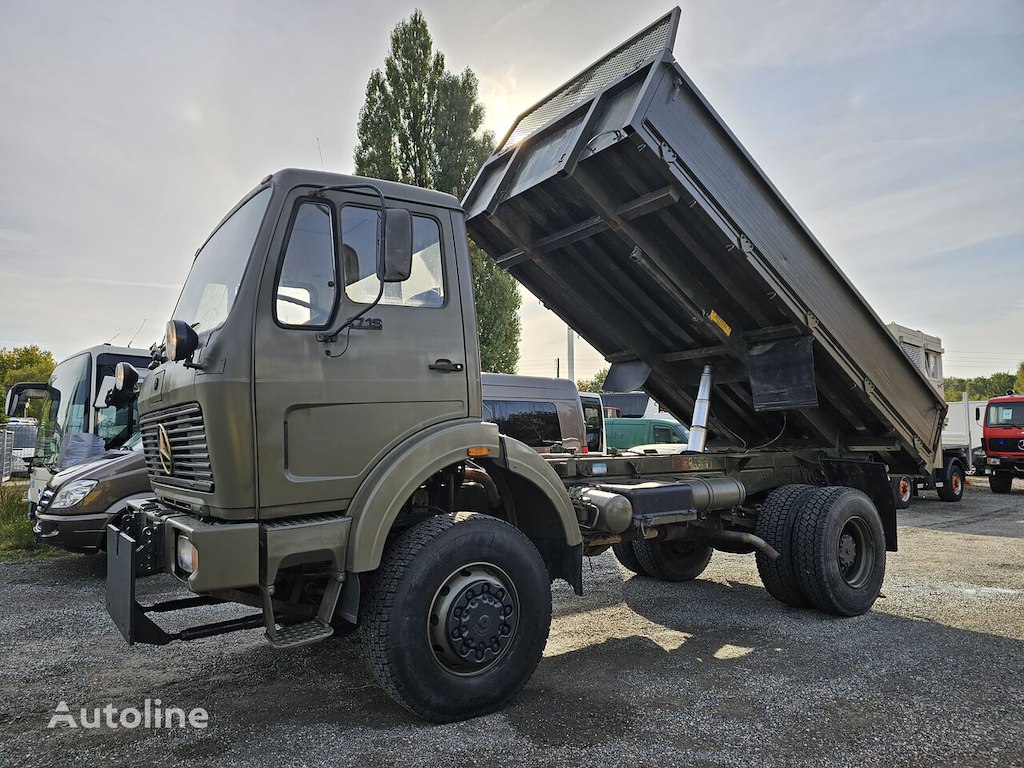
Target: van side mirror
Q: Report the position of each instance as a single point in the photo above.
(21, 394)
(396, 262)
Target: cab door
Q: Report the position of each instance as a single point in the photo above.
(328, 411)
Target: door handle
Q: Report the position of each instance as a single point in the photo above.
(444, 365)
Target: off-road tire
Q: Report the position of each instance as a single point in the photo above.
(830, 521)
(952, 484)
(626, 555)
(775, 526)
(672, 560)
(1001, 482)
(903, 491)
(396, 621)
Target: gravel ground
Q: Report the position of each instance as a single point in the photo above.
(636, 673)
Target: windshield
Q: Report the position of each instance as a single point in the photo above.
(116, 423)
(1005, 415)
(217, 271)
(133, 443)
(65, 406)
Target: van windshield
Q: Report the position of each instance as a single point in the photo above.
(65, 408)
(213, 281)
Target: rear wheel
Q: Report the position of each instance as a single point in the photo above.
(672, 560)
(1001, 482)
(626, 555)
(953, 483)
(457, 616)
(839, 549)
(775, 526)
(903, 490)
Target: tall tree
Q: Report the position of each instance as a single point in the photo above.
(1018, 385)
(420, 124)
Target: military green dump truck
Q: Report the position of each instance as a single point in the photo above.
(312, 427)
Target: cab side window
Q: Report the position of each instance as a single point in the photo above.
(666, 435)
(360, 228)
(306, 289)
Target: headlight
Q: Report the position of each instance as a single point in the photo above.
(72, 493)
(188, 555)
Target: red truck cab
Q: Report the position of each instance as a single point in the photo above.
(1004, 441)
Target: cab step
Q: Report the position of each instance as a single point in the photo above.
(304, 633)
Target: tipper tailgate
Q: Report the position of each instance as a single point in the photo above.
(628, 207)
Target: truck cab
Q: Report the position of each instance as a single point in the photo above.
(1003, 437)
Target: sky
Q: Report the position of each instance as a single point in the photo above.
(127, 130)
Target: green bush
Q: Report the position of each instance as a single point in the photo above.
(16, 535)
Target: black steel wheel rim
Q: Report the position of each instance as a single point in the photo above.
(473, 619)
(856, 552)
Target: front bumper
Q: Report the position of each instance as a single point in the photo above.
(233, 557)
(995, 464)
(75, 533)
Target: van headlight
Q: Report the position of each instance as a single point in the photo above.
(187, 555)
(72, 493)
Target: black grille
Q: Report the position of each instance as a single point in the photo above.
(628, 57)
(1006, 444)
(190, 465)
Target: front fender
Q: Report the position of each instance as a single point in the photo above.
(519, 459)
(395, 477)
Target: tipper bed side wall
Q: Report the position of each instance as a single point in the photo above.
(638, 218)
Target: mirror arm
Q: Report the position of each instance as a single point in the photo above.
(332, 336)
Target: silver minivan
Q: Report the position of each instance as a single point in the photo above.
(546, 414)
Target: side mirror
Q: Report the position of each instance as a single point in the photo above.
(396, 263)
(182, 340)
(21, 394)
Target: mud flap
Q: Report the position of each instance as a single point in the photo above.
(128, 615)
(872, 478)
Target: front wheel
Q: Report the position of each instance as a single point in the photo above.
(457, 617)
(1000, 482)
(839, 551)
(953, 483)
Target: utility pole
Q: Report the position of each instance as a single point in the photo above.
(572, 357)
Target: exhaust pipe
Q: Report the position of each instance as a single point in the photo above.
(701, 412)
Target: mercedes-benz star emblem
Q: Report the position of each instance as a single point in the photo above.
(1020, 444)
(164, 449)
